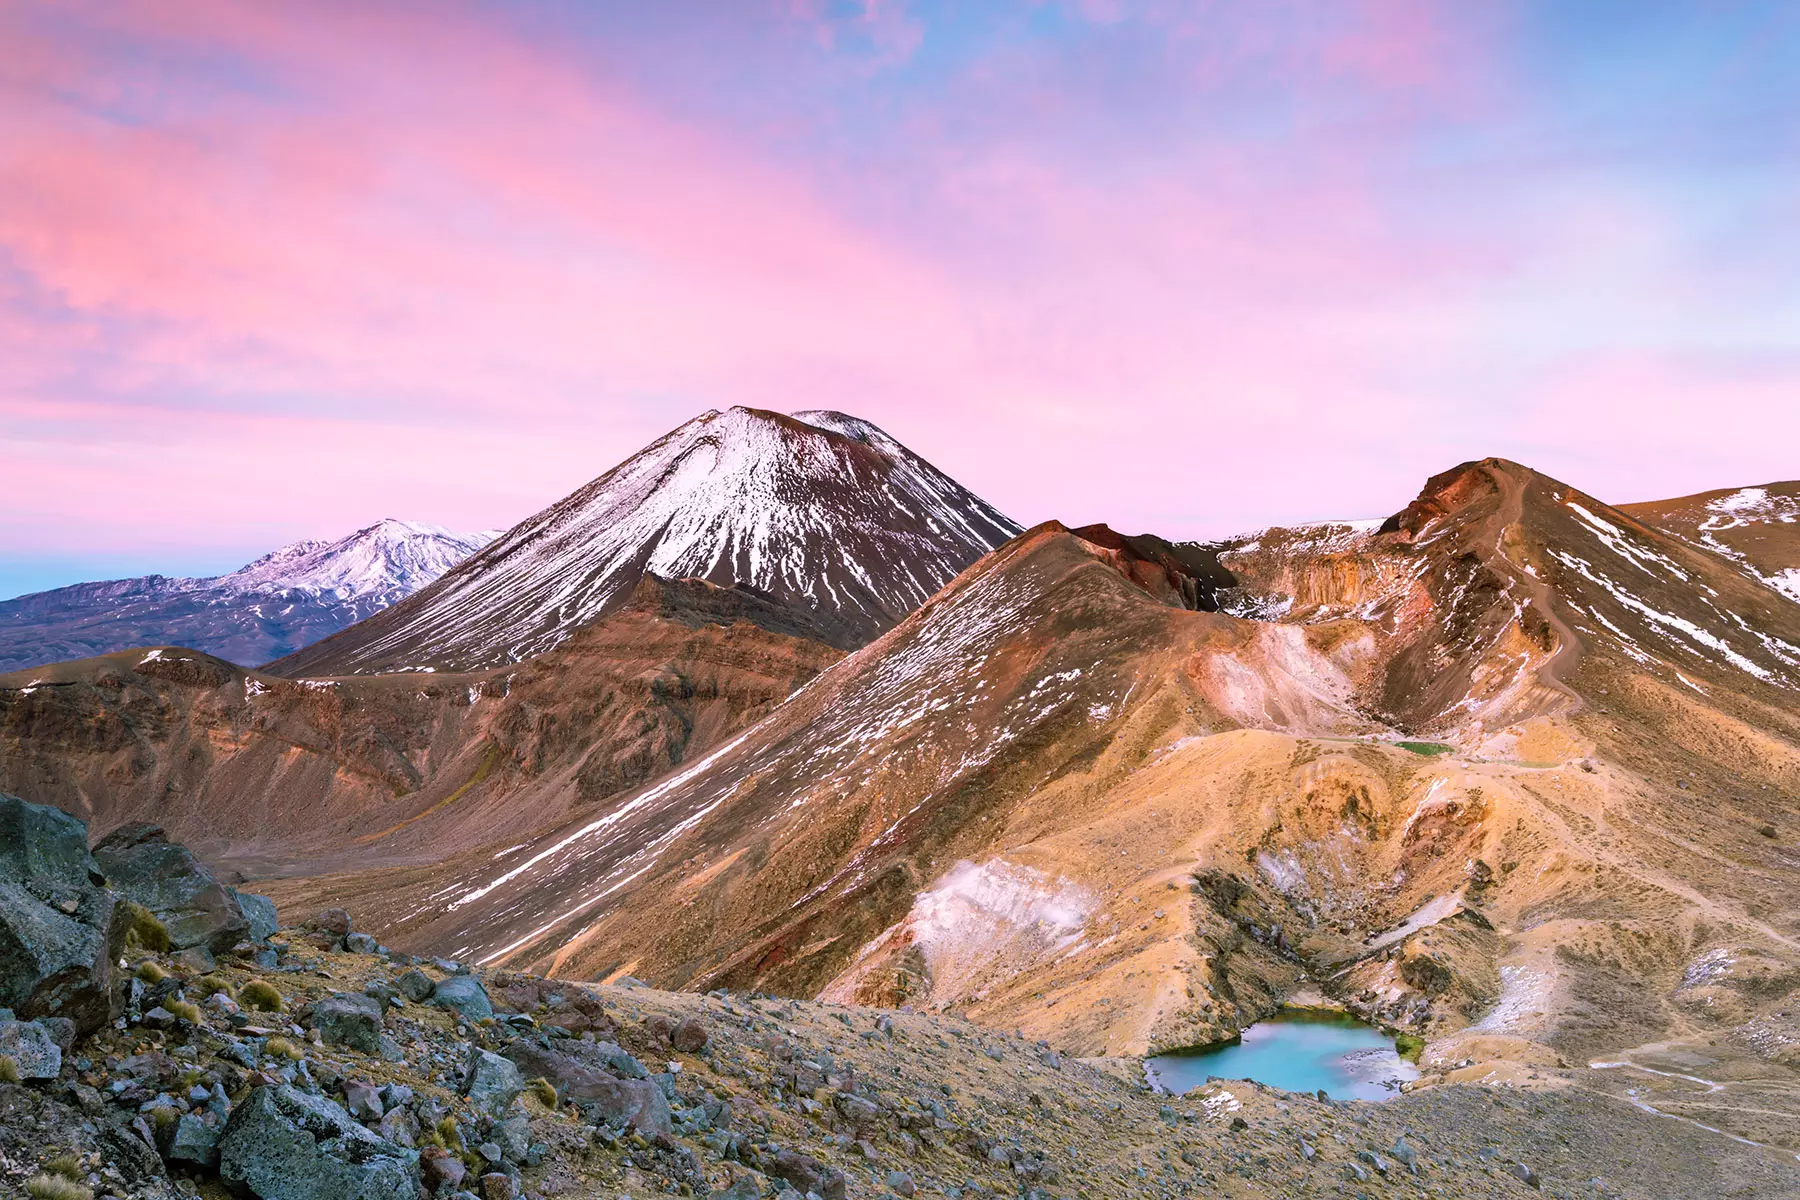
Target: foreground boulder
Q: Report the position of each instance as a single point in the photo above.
(61, 929)
(283, 1144)
(142, 864)
(346, 1019)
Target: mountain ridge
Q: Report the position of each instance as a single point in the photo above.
(283, 600)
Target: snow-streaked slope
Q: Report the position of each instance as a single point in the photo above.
(279, 603)
(820, 511)
(1756, 528)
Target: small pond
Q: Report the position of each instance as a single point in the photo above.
(1300, 1051)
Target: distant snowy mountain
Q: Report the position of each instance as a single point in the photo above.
(274, 606)
(819, 511)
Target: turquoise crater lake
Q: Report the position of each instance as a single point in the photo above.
(1298, 1052)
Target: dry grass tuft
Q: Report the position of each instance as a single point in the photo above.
(55, 1187)
(9, 1069)
(66, 1165)
(545, 1091)
(149, 972)
(280, 1047)
(143, 931)
(260, 995)
(208, 985)
(183, 1010)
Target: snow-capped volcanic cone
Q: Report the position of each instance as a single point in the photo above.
(819, 511)
(274, 606)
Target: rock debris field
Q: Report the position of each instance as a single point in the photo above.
(311, 1064)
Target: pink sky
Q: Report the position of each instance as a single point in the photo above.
(271, 271)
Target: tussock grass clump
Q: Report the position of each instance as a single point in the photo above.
(66, 1165)
(165, 1119)
(545, 1091)
(9, 1069)
(260, 995)
(208, 985)
(143, 931)
(280, 1047)
(183, 1010)
(55, 1187)
(447, 1134)
(149, 972)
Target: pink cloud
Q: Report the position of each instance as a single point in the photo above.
(276, 269)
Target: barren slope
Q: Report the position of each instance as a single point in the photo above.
(263, 772)
(1513, 770)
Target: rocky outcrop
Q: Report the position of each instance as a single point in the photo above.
(195, 909)
(61, 929)
(283, 1144)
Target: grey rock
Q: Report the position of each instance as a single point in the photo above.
(334, 921)
(362, 943)
(900, 1183)
(31, 1047)
(62, 1031)
(363, 1100)
(490, 1082)
(142, 864)
(61, 930)
(742, 1188)
(415, 985)
(513, 1136)
(399, 1127)
(624, 1065)
(855, 1110)
(602, 1097)
(196, 1140)
(260, 912)
(46, 846)
(1525, 1175)
(283, 1144)
(349, 1019)
(465, 996)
